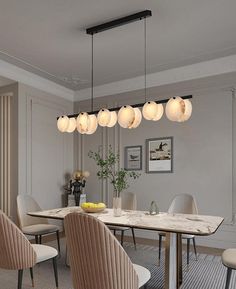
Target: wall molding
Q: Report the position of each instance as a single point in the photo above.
(5, 153)
(30, 102)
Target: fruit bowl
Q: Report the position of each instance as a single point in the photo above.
(93, 208)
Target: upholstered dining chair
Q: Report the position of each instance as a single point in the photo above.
(182, 204)
(97, 259)
(16, 252)
(33, 226)
(129, 202)
(229, 261)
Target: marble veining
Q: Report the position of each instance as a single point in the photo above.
(180, 223)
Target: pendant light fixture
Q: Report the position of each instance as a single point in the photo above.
(178, 109)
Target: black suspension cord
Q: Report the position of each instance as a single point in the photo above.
(92, 64)
(145, 60)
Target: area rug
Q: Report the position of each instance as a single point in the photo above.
(206, 273)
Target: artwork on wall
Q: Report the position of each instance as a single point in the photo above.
(159, 155)
(133, 158)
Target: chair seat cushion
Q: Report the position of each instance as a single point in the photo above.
(143, 275)
(229, 258)
(40, 229)
(118, 228)
(44, 252)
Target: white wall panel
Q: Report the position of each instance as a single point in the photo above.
(46, 156)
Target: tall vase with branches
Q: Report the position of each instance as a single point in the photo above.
(119, 178)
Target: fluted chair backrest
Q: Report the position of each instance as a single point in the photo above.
(183, 204)
(25, 204)
(16, 251)
(129, 201)
(97, 259)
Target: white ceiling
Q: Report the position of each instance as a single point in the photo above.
(51, 36)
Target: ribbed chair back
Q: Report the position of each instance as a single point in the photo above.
(183, 204)
(97, 259)
(16, 252)
(25, 204)
(129, 201)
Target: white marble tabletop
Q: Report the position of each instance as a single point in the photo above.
(179, 223)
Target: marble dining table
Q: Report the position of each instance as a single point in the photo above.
(174, 225)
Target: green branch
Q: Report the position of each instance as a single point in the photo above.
(119, 178)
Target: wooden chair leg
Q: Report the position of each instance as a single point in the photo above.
(54, 260)
(122, 238)
(20, 277)
(188, 247)
(58, 242)
(40, 239)
(229, 271)
(194, 247)
(32, 276)
(36, 239)
(132, 229)
(159, 249)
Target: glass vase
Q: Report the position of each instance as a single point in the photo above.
(117, 206)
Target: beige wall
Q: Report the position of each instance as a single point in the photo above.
(203, 154)
(45, 155)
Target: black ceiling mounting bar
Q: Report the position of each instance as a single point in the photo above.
(119, 22)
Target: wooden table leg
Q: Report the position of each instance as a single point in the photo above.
(173, 261)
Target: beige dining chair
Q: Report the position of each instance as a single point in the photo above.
(97, 259)
(33, 226)
(229, 261)
(16, 252)
(129, 202)
(182, 204)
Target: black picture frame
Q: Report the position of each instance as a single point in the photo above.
(159, 155)
(133, 158)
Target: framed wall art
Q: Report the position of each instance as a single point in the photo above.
(159, 155)
(133, 158)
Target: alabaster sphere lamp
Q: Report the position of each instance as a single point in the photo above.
(113, 119)
(178, 109)
(137, 118)
(160, 111)
(63, 123)
(126, 116)
(72, 125)
(150, 110)
(173, 109)
(92, 124)
(83, 122)
(104, 117)
(186, 106)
